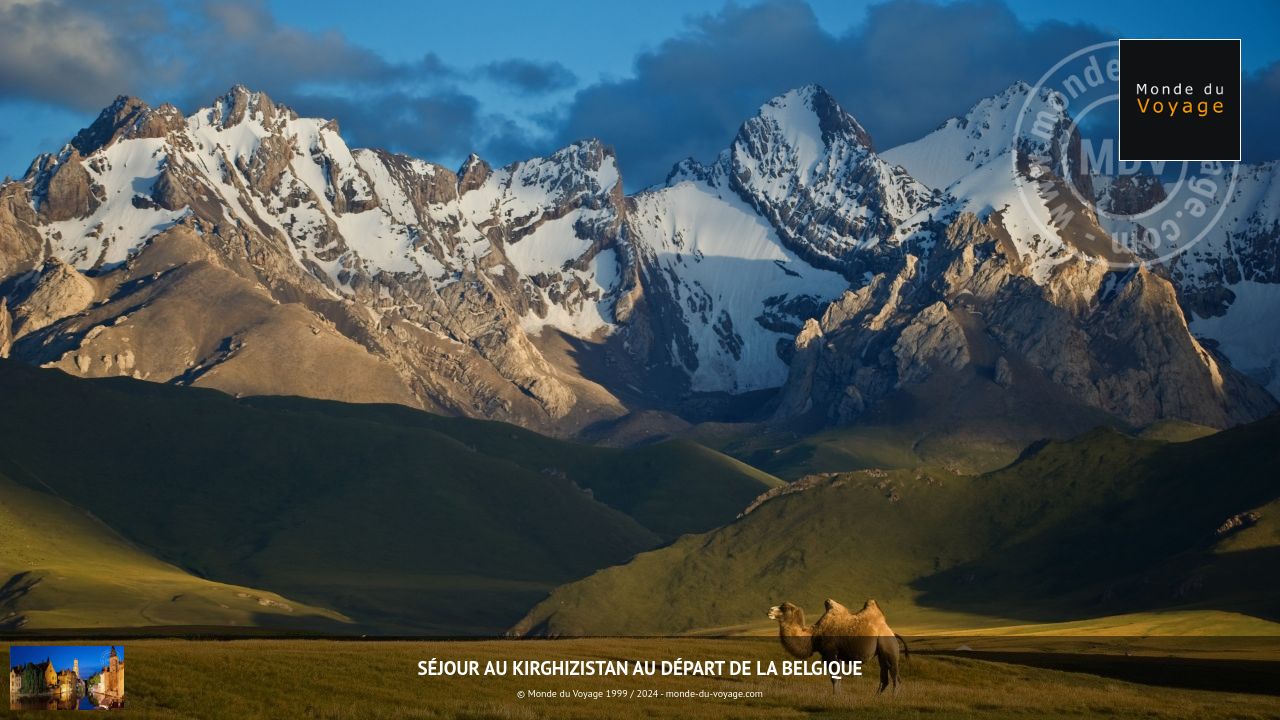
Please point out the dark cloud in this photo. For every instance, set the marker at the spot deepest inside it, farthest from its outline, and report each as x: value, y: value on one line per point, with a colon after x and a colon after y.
x: 81, y: 55
x: 242, y: 42
x: 1261, y: 107
x: 529, y: 77
x: 63, y: 53
x: 507, y: 140
x: 909, y: 67
x: 440, y: 126
x: 429, y: 66
x: 905, y: 69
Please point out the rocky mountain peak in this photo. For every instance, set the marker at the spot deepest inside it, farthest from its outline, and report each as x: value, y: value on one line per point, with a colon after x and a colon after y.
x: 589, y: 155
x: 127, y: 117
x: 113, y: 118
x: 808, y: 166
x: 240, y: 103
x: 584, y: 168
x: 686, y: 169
x: 969, y: 326
x: 797, y: 109
x: 472, y: 174
x: 796, y: 131
x: 832, y: 118
x: 1043, y: 100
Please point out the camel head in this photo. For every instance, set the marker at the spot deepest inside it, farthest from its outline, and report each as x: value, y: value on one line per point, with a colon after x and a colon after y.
x: 786, y: 613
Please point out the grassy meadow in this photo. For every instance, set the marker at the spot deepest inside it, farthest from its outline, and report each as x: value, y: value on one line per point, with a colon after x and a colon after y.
x: 358, y: 679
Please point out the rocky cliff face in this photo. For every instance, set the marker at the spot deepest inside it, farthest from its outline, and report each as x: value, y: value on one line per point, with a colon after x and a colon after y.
x: 1225, y: 282
x: 58, y: 291
x: 970, y: 313
x: 248, y: 249
x: 6, y: 328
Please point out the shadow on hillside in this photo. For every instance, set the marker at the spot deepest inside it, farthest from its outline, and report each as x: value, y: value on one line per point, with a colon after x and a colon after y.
x: 1243, y: 581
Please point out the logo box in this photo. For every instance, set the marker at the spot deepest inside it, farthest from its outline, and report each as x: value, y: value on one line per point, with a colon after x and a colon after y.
x: 1180, y: 100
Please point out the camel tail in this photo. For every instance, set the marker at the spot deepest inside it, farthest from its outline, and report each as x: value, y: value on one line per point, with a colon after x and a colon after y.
x: 906, y: 651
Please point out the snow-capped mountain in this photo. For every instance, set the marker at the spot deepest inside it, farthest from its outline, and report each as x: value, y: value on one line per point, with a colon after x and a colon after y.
x: 1226, y: 281
x: 973, y: 162
x: 722, y: 284
x: 432, y: 276
x: 245, y: 248
x: 997, y: 294
x: 743, y: 251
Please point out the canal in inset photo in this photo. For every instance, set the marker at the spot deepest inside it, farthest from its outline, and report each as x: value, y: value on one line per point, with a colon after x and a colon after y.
x: 66, y: 677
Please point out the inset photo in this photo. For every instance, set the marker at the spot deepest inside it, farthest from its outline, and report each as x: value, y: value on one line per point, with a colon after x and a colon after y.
x: 66, y: 677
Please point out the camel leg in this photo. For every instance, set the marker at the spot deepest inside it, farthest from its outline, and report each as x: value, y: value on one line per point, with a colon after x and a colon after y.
x: 835, y: 685
x: 887, y: 656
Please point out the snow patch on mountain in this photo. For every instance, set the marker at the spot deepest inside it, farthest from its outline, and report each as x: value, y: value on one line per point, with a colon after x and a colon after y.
x: 986, y: 134
x: 996, y: 187
x: 119, y: 225
x: 729, y: 269
x: 790, y: 119
x: 552, y: 247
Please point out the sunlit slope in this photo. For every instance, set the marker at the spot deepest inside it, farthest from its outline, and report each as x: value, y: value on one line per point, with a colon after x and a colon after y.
x: 61, y: 568
x: 1101, y: 525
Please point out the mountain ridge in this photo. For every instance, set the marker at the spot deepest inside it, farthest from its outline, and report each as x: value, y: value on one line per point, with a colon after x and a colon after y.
x: 441, y: 288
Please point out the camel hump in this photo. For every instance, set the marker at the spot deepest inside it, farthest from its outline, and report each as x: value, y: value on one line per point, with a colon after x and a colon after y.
x: 829, y: 603
x: 871, y: 609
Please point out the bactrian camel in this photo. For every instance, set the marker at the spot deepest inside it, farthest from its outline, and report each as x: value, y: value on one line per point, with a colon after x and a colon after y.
x: 842, y: 635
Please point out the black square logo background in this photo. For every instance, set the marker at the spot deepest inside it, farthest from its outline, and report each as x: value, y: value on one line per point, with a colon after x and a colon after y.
x: 1197, y: 63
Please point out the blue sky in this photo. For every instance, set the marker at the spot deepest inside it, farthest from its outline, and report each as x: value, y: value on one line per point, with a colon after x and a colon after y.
x: 659, y: 80
x: 92, y: 657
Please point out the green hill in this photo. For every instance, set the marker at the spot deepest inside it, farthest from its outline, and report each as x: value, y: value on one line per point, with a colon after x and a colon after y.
x: 1101, y: 525
x: 672, y: 487
x: 400, y: 520
x: 63, y: 568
